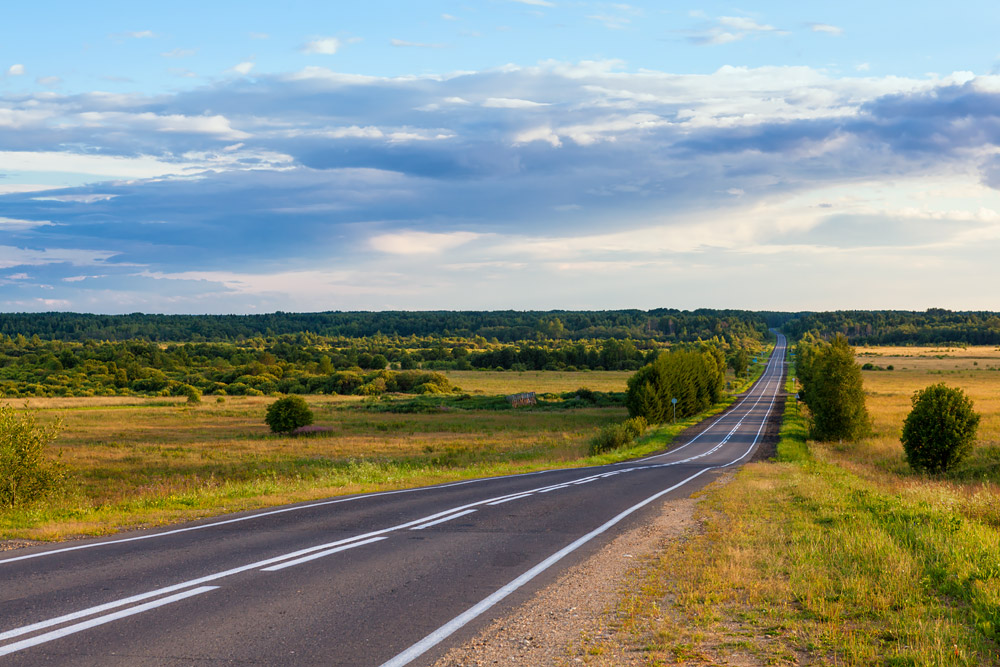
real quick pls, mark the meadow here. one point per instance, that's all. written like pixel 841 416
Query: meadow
pixel 837 553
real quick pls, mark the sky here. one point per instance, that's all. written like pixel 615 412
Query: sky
pixel 224 157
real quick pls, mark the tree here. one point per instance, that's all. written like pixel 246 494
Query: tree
pixel 27 474
pixel 287 414
pixel 832 388
pixel 739 360
pixel 940 429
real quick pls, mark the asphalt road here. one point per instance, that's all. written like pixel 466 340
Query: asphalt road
pixel 388 578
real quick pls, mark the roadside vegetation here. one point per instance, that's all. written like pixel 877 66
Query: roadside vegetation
pixel 139 461
pixel 837 552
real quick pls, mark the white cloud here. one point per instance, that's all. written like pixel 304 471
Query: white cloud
pixel 13 224
pixel 259 35
pixel 217 125
pixel 535 3
pixel 48 81
pixel 511 103
pixel 15 70
pixel 11 257
pixel 420 243
pixel 243 68
pixel 179 53
pixel 324 45
pixel 449 17
pixel 744 24
pixel 863 67
pixel 418 45
pixel 78 199
pixel 827 28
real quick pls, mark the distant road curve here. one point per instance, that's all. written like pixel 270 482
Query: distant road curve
pixel 391 578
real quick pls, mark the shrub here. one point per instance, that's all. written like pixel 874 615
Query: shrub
pixel 610 437
pixel 940 429
pixel 635 426
pixel 27 474
pixel 287 414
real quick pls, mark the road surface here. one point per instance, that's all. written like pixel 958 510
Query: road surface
pixel 389 578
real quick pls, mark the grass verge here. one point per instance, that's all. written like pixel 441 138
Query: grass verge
pixel 805 561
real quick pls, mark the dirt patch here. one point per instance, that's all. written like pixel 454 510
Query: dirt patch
pixel 9 545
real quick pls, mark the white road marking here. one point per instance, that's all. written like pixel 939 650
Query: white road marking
pixel 507 500
pixel 442 520
pixel 442 633
pixel 100 620
pixel 306 559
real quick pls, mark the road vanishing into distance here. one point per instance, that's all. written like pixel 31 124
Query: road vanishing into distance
pixel 391 578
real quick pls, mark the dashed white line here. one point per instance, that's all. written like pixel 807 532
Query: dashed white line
pixel 442 520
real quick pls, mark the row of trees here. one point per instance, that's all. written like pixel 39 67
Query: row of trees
pixel 935 326
pixel 300 363
pixel 694 377
pixel 663 324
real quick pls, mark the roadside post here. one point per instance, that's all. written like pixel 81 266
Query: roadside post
pixel 673 401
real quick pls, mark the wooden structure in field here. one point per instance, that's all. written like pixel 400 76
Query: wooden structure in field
pixel 521 400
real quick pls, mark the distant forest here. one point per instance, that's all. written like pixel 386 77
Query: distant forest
pixel 70 354
pixel 934 326
pixel 506 326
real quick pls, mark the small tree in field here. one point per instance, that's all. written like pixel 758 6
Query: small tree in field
pixel 940 429
pixel 287 414
pixel 25 473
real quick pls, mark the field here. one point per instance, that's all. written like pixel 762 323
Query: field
pixel 142 461
pixel 837 553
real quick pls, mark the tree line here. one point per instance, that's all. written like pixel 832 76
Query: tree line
pixel 299 364
pixel 662 324
pixel 935 326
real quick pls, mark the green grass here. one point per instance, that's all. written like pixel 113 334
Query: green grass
pixel 807 560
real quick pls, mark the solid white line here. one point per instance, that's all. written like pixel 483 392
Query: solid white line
pixel 436 637
pixel 100 620
pixel 442 520
pixel 306 559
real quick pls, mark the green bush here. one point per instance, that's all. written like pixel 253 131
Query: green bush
pixel 610 437
pixel 940 429
pixel 27 474
pixel 635 426
pixel 287 414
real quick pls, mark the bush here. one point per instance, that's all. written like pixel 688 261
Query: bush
pixel 610 437
pixel 27 474
pixel 940 429
pixel 287 414
pixel 635 426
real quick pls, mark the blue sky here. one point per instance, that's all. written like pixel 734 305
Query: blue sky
pixel 244 157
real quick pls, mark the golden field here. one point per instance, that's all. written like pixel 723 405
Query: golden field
pixel 139 461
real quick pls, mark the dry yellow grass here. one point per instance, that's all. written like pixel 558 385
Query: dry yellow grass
pixel 134 460
pixel 512 382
